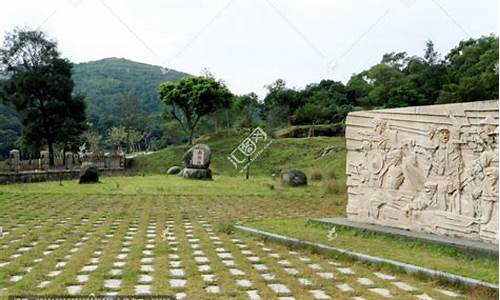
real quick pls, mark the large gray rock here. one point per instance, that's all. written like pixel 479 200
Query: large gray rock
pixel 89 173
pixel 293 177
pixel 174 170
pixel 196 173
pixel 197 157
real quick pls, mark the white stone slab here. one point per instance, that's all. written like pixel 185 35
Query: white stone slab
pixel 279 288
pixel 147 268
pixel 112 284
pixel 74 289
pixel 325 275
pixel 198 253
pixel 89 268
pixel 121 256
pixel 204 268
pixel 177 283
pixel 346 271
pixel 208 277
pixel 319 294
pixel 229 263
pixel 147 260
pixel 54 273
pixel 314 266
pixel 405 286
pixel 177 272
pixel 365 281
pixel 4 263
pixel 142 289
pixel 201 259
pixel 260 267
pixel 344 287
pixel 382 292
pixel 384 276
pixel 16 278
pixel 43 284
pixel 253 295
pixel 225 255
pixel 82 278
pixel 115 272
pixel 304 281
pixel 94 260
pixel 119 264
pixel 292 271
pixel 236 272
pixel 284 262
pixel 144 278
pixel 212 289
pixel 268 276
pixel 244 283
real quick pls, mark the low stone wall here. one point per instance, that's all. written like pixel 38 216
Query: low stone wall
pixel 51 175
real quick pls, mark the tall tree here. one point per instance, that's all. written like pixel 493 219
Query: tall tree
pixel 248 109
pixel 191 98
pixel 40 87
pixel 117 136
pixel 472 68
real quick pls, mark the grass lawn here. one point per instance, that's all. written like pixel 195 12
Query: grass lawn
pixel 434 256
pixel 146 233
pixel 301 153
pixel 172 185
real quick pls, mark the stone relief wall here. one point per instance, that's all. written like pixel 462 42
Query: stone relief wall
pixel 428 168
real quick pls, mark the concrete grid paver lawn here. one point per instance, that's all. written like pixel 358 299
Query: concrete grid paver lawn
pixel 151 245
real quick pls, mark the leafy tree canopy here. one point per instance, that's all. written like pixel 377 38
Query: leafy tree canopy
pixel 191 98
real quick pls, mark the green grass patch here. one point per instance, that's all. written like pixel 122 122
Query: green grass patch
pixel 285 153
pixel 429 255
pixel 222 185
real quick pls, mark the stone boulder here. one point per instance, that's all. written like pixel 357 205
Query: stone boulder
pixel 293 177
pixel 196 173
pixel 89 173
pixel 174 170
pixel 197 157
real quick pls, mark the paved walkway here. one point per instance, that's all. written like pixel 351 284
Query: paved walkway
pixel 186 257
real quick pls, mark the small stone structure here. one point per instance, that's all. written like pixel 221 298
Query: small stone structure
pixel 89 173
pixel 293 177
pixel 429 168
pixel 174 170
pixel 14 158
pixel 197 162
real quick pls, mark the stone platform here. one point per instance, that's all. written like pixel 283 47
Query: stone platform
pixel 475 246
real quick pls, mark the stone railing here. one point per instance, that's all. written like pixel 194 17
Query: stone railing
pixel 15 163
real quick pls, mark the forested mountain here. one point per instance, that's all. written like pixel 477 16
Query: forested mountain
pixel 118 90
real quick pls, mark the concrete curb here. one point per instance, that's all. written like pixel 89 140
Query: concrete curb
pixel 374 259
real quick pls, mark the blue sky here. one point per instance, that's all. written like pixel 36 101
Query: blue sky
pixel 251 43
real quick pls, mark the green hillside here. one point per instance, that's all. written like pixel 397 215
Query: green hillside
pixel 303 153
pixel 112 85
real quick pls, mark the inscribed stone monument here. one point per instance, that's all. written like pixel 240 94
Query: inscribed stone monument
pixel 429 168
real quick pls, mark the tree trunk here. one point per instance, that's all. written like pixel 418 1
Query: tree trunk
pixel 191 132
pixel 51 152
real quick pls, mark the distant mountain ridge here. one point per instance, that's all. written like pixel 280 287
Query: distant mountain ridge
pixel 114 89
pixel 105 82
